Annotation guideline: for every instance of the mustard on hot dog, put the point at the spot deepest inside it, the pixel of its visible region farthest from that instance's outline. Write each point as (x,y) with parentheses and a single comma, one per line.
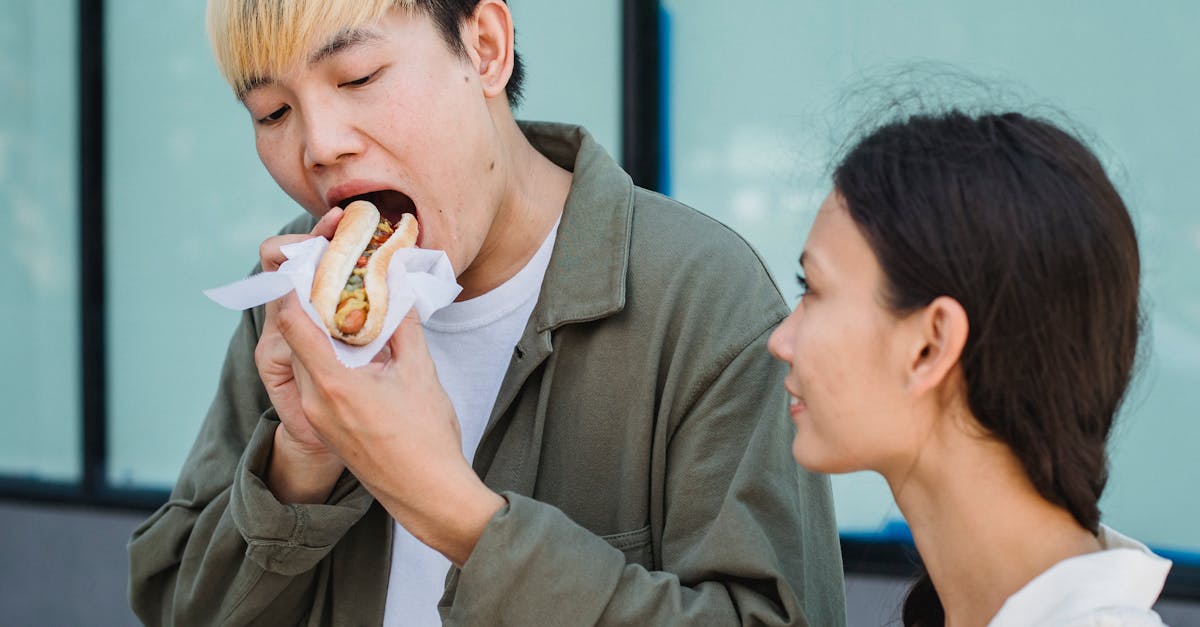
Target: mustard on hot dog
(350,286)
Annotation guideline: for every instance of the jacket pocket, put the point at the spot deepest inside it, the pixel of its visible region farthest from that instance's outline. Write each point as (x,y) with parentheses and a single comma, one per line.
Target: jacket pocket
(635,545)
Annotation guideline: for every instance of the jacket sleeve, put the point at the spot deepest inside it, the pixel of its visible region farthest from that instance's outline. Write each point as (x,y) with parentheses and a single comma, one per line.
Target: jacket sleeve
(747,537)
(223,550)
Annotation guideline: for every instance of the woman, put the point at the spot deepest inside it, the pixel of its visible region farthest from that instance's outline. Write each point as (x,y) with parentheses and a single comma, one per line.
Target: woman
(968,328)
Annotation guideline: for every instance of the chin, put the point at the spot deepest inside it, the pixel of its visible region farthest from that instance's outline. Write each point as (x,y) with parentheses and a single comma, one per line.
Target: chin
(805,455)
(815,456)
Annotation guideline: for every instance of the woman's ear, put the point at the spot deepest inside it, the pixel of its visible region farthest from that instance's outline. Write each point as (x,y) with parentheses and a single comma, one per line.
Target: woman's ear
(939,334)
(489,39)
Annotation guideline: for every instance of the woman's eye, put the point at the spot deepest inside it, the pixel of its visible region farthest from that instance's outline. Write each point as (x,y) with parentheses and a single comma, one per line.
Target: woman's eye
(275,115)
(803,283)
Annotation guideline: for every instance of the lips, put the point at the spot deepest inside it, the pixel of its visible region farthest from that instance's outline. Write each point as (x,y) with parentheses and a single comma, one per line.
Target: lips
(796,405)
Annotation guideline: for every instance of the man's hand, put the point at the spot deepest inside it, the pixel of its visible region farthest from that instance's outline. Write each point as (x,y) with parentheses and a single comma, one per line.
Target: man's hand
(302,468)
(394,426)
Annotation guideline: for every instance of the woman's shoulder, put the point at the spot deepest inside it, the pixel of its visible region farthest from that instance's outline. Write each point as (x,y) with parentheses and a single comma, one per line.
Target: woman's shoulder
(1117,585)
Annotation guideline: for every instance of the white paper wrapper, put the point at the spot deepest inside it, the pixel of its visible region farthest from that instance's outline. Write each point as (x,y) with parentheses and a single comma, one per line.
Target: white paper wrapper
(416,278)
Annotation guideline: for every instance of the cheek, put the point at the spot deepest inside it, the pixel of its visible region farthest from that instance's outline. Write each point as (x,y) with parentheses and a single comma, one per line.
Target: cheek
(274,157)
(266,152)
(829,353)
(845,424)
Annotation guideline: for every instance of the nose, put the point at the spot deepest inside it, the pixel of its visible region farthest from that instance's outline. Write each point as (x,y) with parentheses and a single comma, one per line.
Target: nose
(781,344)
(329,136)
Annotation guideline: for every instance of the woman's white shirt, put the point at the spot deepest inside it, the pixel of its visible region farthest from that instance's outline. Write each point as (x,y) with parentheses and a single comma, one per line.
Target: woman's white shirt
(1116,586)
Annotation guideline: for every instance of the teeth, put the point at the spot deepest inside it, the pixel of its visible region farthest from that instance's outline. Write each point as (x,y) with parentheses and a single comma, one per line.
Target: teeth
(793,400)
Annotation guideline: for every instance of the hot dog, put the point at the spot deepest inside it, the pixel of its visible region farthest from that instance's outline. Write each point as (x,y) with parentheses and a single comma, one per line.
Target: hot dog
(350,286)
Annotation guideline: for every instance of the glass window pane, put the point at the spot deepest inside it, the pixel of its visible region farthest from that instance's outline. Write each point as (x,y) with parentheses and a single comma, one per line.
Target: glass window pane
(188,203)
(572,74)
(41,431)
(752,121)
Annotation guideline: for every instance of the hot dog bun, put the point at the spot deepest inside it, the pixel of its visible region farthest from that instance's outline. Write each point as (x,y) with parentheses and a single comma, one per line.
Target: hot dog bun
(353,234)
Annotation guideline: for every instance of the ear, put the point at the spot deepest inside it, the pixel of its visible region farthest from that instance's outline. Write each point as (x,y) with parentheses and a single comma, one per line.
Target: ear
(489,39)
(940,332)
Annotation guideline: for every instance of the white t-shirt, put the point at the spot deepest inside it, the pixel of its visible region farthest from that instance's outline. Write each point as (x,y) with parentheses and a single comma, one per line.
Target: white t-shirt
(471,343)
(1114,587)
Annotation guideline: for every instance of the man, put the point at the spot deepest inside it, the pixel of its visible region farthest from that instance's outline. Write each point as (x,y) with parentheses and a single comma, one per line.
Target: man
(592,434)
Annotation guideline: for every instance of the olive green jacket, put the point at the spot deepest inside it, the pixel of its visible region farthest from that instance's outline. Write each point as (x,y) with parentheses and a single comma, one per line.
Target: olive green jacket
(640,437)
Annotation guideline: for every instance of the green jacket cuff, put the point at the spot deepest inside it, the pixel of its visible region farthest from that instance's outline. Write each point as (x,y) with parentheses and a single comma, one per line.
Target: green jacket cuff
(517,570)
(281,538)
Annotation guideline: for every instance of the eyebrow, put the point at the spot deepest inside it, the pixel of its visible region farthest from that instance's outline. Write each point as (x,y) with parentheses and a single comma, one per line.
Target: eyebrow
(345,39)
(252,83)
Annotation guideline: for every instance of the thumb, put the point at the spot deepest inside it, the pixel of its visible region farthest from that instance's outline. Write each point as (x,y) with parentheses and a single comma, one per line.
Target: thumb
(409,337)
(327,225)
(309,343)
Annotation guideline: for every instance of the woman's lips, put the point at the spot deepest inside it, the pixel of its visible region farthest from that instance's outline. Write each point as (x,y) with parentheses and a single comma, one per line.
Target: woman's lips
(796,405)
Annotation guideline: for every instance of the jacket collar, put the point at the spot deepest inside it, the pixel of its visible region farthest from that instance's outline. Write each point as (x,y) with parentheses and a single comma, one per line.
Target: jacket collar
(586,276)
(585,280)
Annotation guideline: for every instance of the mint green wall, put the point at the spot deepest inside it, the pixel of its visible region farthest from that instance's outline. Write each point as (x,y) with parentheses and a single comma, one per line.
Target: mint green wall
(187,205)
(573,74)
(761,90)
(40,428)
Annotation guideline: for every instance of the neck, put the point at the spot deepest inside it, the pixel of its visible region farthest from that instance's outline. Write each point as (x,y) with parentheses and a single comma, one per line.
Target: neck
(980,526)
(531,201)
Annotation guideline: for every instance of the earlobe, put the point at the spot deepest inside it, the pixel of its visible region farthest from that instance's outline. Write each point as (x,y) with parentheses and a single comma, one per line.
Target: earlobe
(491,45)
(941,333)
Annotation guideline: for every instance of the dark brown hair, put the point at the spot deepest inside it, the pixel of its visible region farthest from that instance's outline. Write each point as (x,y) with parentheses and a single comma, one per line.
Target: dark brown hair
(1016,220)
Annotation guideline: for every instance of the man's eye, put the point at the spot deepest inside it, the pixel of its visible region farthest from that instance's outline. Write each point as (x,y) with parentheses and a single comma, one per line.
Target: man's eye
(275,115)
(359,82)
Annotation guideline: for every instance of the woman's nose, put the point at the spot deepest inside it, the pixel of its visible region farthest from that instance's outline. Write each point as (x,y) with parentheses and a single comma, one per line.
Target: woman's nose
(780,344)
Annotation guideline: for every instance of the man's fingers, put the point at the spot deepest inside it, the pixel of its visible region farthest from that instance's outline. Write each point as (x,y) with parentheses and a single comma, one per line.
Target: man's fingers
(410,354)
(269,251)
(327,225)
(409,337)
(309,342)
(303,379)
(383,356)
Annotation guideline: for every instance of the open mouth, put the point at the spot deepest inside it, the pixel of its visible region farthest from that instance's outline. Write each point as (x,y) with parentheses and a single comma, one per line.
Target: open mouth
(392,205)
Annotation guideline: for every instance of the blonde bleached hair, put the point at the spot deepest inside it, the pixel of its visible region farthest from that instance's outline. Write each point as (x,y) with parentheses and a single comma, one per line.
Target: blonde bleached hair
(257,39)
